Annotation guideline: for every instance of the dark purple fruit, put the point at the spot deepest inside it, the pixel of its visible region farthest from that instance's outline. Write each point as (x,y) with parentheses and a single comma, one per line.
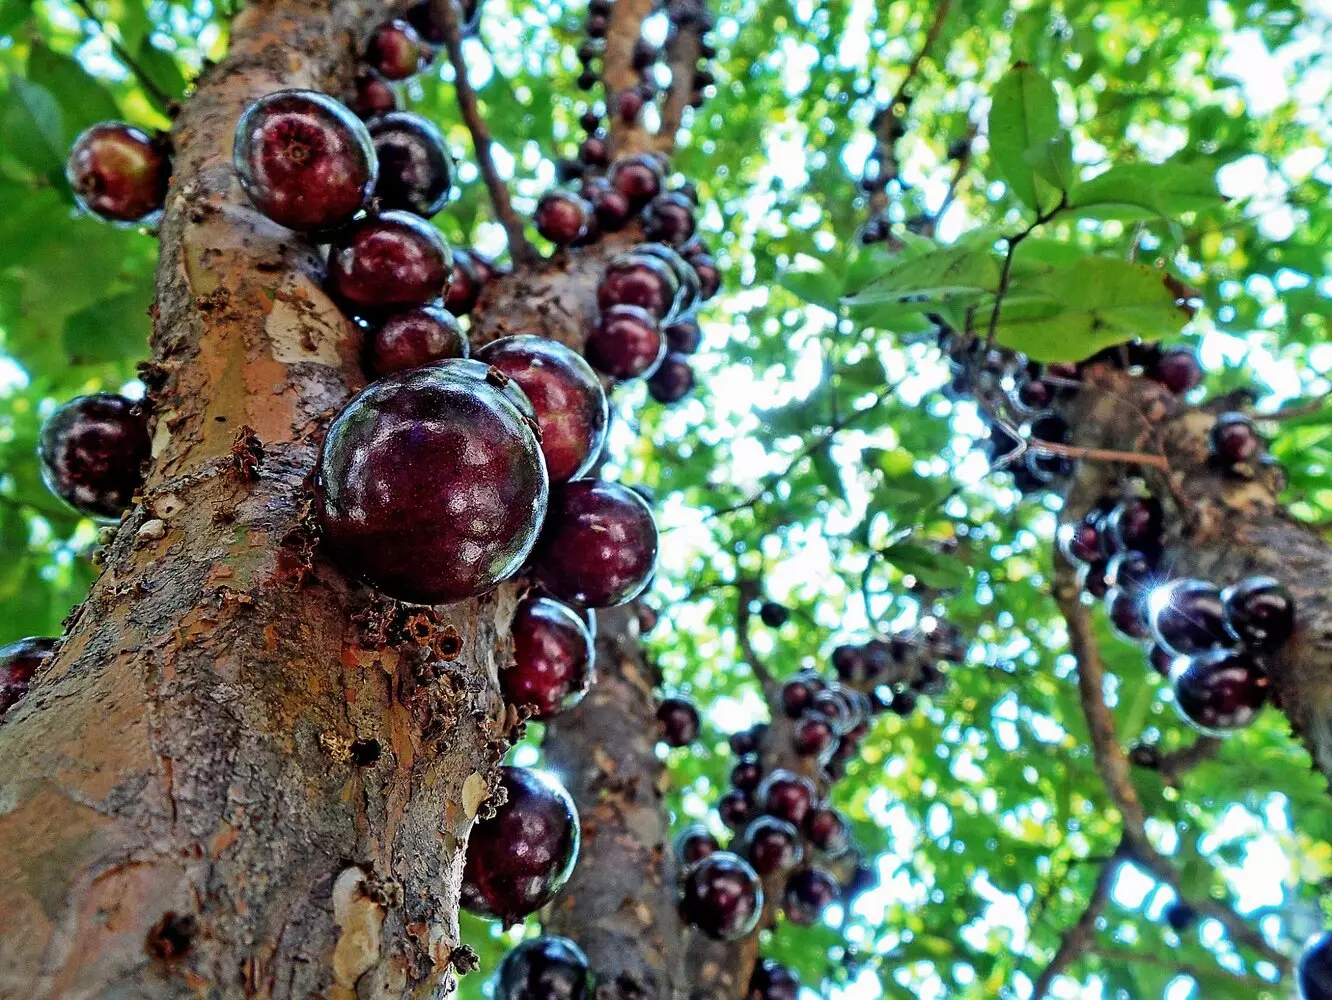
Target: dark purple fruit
(797,695)
(544,968)
(709,276)
(673,379)
(118,172)
(772,981)
(305,161)
(430,484)
(1186,617)
(425,18)
(787,796)
(465,285)
(18,662)
(1135,524)
(1091,578)
(625,343)
(904,702)
(1315,971)
(683,335)
(570,404)
(415,172)
(395,51)
(669,218)
(372,96)
(828,831)
(1127,612)
(647,617)
(1034,395)
(599,545)
(92,451)
(812,735)
(686,278)
(638,280)
(1081,541)
(774,615)
(809,892)
(629,104)
(594,152)
(1219,691)
(1234,439)
(679,722)
(562,217)
(1161,660)
(747,773)
(736,809)
(639,178)
(552,658)
(1180,916)
(1178,370)
(1259,612)
(520,858)
(1131,571)
(854,663)
(772,845)
(839,704)
(748,741)
(389,261)
(722,897)
(1047,428)
(413,338)
(694,844)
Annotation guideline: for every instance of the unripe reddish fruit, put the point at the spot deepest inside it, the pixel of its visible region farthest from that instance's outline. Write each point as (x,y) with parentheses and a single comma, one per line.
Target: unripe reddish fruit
(562,217)
(812,735)
(1234,439)
(465,285)
(1186,617)
(1315,971)
(552,658)
(672,380)
(1260,613)
(787,796)
(709,276)
(1178,370)
(638,177)
(415,172)
(694,844)
(413,338)
(304,160)
(630,103)
(599,545)
(18,662)
(395,51)
(679,722)
(1219,691)
(772,981)
(625,343)
(638,280)
(828,831)
(521,857)
(571,407)
(683,335)
(669,218)
(118,173)
(747,773)
(544,968)
(387,262)
(809,892)
(430,485)
(772,845)
(722,897)
(92,451)
(372,96)
(736,809)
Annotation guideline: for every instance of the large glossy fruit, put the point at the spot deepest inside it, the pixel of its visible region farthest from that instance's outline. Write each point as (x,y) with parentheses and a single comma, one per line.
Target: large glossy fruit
(638,177)
(1315,971)
(415,173)
(679,722)
(305,161)
(809,892)
(722,897)
(1132,571)
(92,451)
(1127,612)
(638,280)
(610,206)
(1135,524)
(772,845)
(413,338)
(395,50)
(544,968)
(465,285)
(562,217)
(669,218)
(828,831)
(1081,541)
(389,261)
(787,796)
(570,404)
(673,380)
(1234,439)
(599,546)
(687,291)
(430,484)
(1259,612)
(797,695)
(1186,617)
(840,705)
(694,844)
(625,343)
(118,172)
(552,658)
(18,662)
(520,858)
(773,981)
(1219,691)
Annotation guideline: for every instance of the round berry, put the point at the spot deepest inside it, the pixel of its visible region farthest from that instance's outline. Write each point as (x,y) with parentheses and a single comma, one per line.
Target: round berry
(570,404)
(562,217)
(679,722)
(772,981)
(694,844)
(673,379)
(638,280)
(736,809)
(388,261)
(1315,970)
(669,218)
(625,343)
(748,741)
(709,276)
(92,451)
(1161,659)
(787,796)
(1178,370)
(430,484)
(372,96)
(305,160)
(1234,439)
(774,615)
(1091,578)
(1180,916)
(839,705)
(1131,571)
(599,546)
(593,151)
(610,206)
(809,892)
(638,177)
(544,968)
(1127,612)
(687,290)
(747,773)
(646,617)
(797,695)
(521,857)
(118,173)
(1081,541)
(722,897)
(1186,617)
(855,663)
(1219,691)
(552,658)
(812,735)
(415,172)
(1135,524)
(904,702)
(772,845)
(395,51)
(18,662)
(828,831)
(415,337)
(683,335)
(464,285)
(1259,612)
(1033,395)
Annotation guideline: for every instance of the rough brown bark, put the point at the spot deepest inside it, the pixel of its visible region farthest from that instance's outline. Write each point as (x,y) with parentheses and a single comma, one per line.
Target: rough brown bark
(244,776)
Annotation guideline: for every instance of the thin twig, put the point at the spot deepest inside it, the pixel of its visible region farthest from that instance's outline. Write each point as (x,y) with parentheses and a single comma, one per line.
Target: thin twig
(1006,273)
(1305,409)
(520,248)
(749,591)
(1078,938)
(1220,973)
(145,81)
(941,11)
(1178,763)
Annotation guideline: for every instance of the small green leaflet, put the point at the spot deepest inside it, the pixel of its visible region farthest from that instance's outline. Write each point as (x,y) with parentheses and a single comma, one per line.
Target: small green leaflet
(934,569)
(946,271)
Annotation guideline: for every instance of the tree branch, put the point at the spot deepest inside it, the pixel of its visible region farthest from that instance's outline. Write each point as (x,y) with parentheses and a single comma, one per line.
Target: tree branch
(1077,940)
(521,250)
(682,55)
(618,73)
(748,591)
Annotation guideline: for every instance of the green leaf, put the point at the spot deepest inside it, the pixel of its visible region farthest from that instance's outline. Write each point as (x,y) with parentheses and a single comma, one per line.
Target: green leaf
(948,271)
(12,15)
(82,98)
(934,569)
(1133,191)
(161,68)
(1024,129)
(817,286)
(113,329)
(827,470)
(31,128)
(867,373)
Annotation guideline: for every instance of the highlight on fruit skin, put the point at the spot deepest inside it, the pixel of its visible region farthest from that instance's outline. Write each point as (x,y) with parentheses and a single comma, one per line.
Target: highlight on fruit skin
(119,173)
(722,897)
(92,451)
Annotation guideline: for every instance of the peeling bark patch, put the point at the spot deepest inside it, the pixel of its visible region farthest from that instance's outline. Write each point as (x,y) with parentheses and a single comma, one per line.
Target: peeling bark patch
(359,920)
(170,937)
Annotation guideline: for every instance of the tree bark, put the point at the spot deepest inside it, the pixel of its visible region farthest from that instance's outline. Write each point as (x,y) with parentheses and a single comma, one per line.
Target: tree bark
(243,775)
